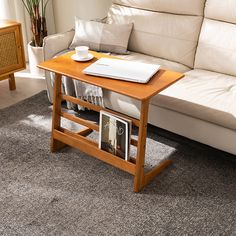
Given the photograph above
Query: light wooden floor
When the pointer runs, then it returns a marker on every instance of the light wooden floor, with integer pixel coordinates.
(25, 87)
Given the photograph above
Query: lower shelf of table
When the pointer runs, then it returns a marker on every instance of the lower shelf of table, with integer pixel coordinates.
(64, 137)
(91, 148)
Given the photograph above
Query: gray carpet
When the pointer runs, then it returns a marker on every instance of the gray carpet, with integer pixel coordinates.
(68, 193)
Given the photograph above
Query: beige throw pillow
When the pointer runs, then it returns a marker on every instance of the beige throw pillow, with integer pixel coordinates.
(101, 37)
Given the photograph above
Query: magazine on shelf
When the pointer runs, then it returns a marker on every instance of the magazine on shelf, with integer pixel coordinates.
(114, 134)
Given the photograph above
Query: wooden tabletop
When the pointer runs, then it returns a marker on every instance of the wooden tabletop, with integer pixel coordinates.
(66, 66)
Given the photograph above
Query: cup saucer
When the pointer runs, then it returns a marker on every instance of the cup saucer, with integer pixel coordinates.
(77, 58)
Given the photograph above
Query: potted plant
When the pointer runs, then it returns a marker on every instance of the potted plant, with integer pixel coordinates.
(36, 10)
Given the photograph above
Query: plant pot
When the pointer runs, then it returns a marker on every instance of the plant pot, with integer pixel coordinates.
(35, 57)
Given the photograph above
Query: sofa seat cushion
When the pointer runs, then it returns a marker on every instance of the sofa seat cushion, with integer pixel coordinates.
(204, 95)
(165, 64)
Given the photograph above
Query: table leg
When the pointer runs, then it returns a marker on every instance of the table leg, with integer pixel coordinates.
(56, 118)
(142, 134)
(12, 82)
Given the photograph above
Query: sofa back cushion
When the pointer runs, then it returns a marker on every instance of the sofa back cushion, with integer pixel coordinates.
(167, 29)
(216, 49)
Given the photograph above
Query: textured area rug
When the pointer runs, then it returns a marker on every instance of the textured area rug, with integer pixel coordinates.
(69, 193)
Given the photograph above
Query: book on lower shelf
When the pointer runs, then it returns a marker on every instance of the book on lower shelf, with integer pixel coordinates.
(115, 134)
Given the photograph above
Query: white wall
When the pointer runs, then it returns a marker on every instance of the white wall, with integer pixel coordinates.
(65, 11)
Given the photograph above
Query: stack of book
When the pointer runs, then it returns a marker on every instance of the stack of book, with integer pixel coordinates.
(115, 134)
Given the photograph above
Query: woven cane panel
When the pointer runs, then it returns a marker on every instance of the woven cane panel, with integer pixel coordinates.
(8, 50)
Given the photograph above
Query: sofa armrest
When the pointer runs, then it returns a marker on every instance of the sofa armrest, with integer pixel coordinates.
(52, 45)
(56, 43)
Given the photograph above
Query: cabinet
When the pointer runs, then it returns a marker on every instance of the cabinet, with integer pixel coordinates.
(12, 57)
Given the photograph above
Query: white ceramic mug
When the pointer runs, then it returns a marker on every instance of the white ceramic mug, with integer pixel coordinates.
(82, 51)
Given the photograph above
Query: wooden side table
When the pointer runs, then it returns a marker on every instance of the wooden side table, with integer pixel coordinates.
(64, 65)
(12, 57)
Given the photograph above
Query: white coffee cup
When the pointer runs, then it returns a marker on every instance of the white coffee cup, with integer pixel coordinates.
(82, 51)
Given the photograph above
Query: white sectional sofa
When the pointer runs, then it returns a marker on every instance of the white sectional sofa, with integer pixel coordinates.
(195, 37)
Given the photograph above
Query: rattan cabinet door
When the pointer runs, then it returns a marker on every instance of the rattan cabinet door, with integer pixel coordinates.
(12, 56)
